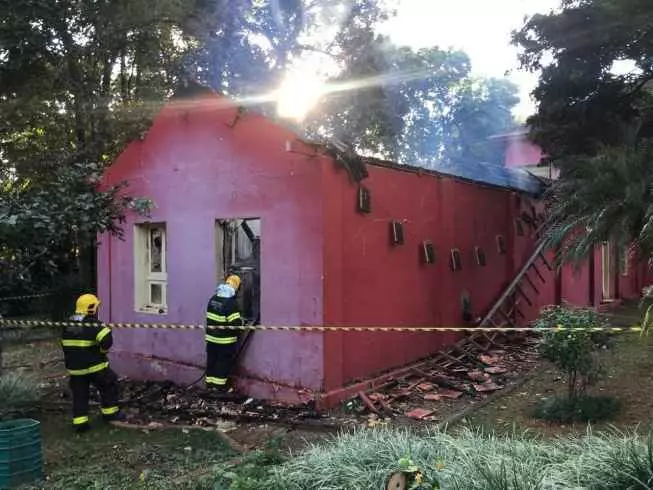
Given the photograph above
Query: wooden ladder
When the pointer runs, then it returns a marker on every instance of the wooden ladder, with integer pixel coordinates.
(522, 289)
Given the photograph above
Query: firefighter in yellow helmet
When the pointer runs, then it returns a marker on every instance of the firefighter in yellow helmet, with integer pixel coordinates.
(85, 348)
(222, 310)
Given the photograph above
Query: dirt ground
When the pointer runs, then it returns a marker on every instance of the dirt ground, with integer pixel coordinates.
(629, 378)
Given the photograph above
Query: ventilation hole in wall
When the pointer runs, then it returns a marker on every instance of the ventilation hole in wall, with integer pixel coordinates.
(396, 233)
(479, 255)
(519, 227)
(501, 244)
(428, 252)
(456, 261)
(528, 219)
(364, 200)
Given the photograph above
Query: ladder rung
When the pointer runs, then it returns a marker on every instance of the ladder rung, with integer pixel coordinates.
(521, 291)
(531, 283)
(537, 271)
(546, 262)
(507, 316)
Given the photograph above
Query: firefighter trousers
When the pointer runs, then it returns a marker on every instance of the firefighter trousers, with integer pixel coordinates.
(106, 383)
(220, 359)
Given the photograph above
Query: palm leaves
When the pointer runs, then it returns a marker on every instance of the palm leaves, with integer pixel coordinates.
(605, 197)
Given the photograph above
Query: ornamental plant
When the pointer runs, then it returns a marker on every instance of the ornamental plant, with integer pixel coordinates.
(573, 348)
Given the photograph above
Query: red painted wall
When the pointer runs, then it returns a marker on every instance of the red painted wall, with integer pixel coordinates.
(371, 282)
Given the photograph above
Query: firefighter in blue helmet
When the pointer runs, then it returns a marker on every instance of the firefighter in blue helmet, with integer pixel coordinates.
(221, 345)
(85, 347)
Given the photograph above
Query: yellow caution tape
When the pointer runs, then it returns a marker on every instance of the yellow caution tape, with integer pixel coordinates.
(321, 328)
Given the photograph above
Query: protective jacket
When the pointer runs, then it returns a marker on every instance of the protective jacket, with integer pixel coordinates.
(221, 345)
(85, 346)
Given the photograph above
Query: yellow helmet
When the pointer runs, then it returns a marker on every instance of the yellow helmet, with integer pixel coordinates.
(87, 304)
(233, 281)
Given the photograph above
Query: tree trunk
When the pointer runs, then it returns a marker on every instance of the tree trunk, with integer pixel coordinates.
(87, 266)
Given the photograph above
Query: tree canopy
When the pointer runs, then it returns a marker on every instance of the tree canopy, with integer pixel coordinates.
(80, 78)
(595, 119)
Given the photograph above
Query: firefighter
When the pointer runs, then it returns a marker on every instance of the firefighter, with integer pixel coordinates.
(85, 348)
(222, 310)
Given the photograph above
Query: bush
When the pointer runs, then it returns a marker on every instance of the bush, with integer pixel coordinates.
(573, 350)
(470, 460)
(19, 395)
(578, 409)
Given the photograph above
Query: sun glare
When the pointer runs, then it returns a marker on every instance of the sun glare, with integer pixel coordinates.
(299, 93)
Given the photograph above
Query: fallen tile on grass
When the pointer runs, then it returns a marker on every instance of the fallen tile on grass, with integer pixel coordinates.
(496, 370)
(425, 387)
(419, 413)
(433, 397)
(486, 387)
(489, 360)
(450, 394)
(478, 376)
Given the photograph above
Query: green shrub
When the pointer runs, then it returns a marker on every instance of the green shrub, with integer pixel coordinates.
(254, 471)
(578, 409)
(19, 395)
(572, 350)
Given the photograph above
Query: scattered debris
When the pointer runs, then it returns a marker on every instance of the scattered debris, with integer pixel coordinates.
(434, 397)
(471, 369)
(496, 370)
(419, 413)
(486, 387)
(489, 360)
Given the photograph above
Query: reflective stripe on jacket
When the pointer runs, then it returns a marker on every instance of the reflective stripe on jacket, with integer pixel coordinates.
(85, 347)
(222, 312)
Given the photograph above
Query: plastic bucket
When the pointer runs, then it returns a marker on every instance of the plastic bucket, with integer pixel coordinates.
(21, 453)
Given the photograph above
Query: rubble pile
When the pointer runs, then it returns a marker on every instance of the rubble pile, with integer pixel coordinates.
(147, 403)
(440, 385)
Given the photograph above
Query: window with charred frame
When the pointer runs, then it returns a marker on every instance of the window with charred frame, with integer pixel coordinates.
(456, 260)
(479, 255)
(364, 204)
(428, 252)
(501, 244)
(396, 233)
(150, 268)
(519, 227)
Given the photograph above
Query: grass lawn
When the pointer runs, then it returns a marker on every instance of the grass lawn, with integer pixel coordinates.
(112, 458)
(628, 377)
(108, 457)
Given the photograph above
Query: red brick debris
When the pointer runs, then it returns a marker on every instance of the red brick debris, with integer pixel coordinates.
(472, 370)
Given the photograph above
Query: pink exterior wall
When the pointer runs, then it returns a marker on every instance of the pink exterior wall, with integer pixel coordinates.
(197, 169)
(521, 152)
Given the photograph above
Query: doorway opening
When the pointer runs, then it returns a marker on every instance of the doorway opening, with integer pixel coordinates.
(238, 251)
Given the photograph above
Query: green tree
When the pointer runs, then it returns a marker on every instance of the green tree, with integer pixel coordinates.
(78, 79)
(416, 107)
(583, 104)
(594, 122)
